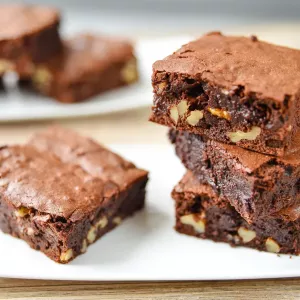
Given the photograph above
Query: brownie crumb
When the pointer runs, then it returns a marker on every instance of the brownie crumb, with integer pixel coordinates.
(253, 38)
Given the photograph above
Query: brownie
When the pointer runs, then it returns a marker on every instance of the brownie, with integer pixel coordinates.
(201, 213)
(28, 36)
(87, 66)
(59, 207)
(95, 159)
(257, 185)
(235, 90)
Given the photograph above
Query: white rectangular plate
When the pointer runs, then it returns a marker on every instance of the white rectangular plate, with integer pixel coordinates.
(146, 247)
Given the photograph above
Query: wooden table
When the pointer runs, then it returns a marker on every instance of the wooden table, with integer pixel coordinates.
(131, 127)
(63, 290)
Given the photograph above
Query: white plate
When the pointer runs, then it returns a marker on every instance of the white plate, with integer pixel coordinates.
(18, 105)
(145, 247)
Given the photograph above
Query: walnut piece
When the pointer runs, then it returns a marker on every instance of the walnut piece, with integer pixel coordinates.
(4, 182)
(240, 135)
(5, 65)
(22, 212)
(220, 113)
(117, 220)
(194, 117)
(195, 220)
(41, 77)
(174, 114)
(92, 234)
(161, 86)
(66, 256)
(30, 231)
(84, 246)
(102, 223)
(225, 92)
(272, 246)
(129, 73)
(182, 108)
(179, 110)
(246, 235)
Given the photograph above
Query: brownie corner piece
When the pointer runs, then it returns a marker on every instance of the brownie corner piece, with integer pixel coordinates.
(200, 212)
(232, 89)
(57, 202)
(87, 66)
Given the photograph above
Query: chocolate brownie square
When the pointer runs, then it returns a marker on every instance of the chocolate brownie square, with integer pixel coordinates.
(28, 36)
(234, 90)
(87, 66)
(200, 212)
(257, 185)
(60, 205)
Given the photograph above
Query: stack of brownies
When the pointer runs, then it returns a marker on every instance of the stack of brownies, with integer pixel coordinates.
(69, 70)
(234, 108)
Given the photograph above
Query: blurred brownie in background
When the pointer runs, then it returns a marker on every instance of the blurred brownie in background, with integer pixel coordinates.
(88, 65)
(28, 36)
